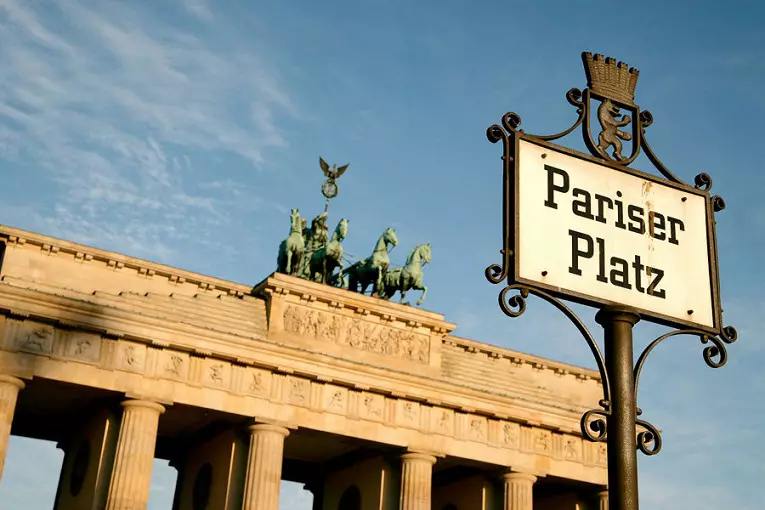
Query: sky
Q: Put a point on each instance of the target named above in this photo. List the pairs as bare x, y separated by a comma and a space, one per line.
183, 132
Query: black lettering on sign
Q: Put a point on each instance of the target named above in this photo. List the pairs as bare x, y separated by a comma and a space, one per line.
619, 212
673, 223
577, 253
652, 286
552, 187
656, 225
638, 267
601, 200
619, 273
582, 207
636, 224
601, 276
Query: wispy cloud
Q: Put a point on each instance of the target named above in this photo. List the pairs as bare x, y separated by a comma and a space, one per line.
114, 106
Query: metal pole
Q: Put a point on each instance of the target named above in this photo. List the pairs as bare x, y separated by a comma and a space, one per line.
617, 325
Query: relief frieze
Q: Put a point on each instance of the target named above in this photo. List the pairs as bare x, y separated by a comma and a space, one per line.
372, 406
442, 421
35, 338
298, 391
407, 413
335, 399
82, 346
379, 339
356, 333
257, 382
312, 324
130, 356
216, 374
511, 435
572, 448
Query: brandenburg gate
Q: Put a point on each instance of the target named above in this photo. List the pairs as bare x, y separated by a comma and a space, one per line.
371, 404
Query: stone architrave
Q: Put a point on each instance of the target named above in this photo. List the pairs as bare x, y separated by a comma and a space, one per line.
9, 392
416, 478
264, 467
131, 476
519, 491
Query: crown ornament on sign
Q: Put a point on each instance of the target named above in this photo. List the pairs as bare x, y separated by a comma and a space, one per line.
609, 78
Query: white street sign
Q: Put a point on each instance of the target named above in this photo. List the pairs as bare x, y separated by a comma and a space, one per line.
599, 234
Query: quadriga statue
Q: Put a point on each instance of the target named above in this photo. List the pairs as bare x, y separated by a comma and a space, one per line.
291, 249
372, 269
327, 258
403, 279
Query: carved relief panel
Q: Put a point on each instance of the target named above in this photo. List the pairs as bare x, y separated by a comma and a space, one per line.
442, 421
297, 391
304, 322
216, 374
81, 346
372, 406
357, 333
510, 435
172, 365
257, 382
407, 413
31, 337
130, 356
335, 399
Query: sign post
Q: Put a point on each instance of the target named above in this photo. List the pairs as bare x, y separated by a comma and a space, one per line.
589, 228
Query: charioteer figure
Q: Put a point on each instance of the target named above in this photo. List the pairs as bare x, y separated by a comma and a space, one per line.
316, 238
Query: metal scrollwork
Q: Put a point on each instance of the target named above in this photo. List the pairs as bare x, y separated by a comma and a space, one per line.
513, 306
715, 356
648, 440
594, 423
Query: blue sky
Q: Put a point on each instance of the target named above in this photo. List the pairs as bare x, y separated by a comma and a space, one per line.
183, 132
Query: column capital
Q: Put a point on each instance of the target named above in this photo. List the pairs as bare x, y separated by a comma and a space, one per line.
15, 381
148, 404
268, 427
511, 476
603, 503
418, 456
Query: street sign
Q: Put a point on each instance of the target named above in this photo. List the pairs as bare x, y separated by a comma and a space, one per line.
588, 228
604, 234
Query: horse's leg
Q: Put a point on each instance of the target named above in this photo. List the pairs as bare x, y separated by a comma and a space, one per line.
424, 290
288, 267
379, 287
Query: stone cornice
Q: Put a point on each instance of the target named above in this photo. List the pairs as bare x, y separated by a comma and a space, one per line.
520, 357
140, 267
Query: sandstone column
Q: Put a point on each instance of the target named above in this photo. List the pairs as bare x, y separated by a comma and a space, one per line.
131, 475
603, 499
518, 491
264, 467
416, 476
9, 391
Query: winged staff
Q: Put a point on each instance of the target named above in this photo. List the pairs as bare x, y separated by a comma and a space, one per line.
329, 188
312, 253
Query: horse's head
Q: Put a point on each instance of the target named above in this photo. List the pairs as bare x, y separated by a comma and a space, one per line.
295, 219
424, 251
389, 236
342, 228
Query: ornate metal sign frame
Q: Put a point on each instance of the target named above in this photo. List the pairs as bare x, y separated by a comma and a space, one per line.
617, 421
511, 258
